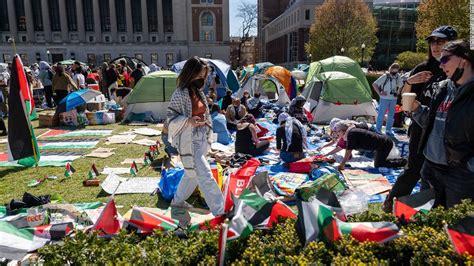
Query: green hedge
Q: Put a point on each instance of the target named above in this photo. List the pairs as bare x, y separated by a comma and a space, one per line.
424, 243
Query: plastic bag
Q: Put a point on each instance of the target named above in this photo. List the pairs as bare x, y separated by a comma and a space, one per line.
169, 182
354, 201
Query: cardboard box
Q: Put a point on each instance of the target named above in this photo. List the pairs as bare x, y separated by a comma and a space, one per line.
100, 118
95, 106
47, 120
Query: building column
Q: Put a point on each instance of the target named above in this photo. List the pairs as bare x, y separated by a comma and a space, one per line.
63, 19
97, 25
30, 31
145, 21
128, 17
161, 29
12, 20
80, 21
46, 21
113, 21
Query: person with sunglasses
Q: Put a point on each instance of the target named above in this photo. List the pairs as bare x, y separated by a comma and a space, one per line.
447, 140
421, 81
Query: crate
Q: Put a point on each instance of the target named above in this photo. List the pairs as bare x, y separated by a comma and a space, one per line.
47, 119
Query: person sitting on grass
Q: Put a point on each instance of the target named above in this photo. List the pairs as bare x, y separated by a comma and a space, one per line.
246, 139
234, 113
363, 139
219, 125
290, 138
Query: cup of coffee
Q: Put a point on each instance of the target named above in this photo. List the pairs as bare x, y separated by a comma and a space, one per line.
408, 98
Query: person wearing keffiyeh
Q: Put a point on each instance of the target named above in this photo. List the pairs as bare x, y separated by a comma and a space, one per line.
296, 109
190, 131
291, 138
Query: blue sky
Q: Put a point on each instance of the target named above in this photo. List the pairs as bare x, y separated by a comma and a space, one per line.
234, 21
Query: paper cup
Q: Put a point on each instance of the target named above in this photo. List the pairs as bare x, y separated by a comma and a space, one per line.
408, 98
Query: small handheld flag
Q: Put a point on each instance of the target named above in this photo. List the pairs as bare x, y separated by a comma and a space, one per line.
133, 169
93, 173
69, 170
147, 159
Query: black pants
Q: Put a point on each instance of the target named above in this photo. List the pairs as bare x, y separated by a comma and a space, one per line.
3, 128
381, 154
60, 94
4, 105
48, 94
408, 179
451, 184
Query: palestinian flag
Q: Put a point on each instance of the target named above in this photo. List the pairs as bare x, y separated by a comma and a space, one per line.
210, 224
15, 243
144, 222
239, 181
461, 235
316, 221
329, 199
93, 173
379, 232
133, 169
22, 145
405, 207
108, 222
254, 212
146, 159
69, 170
222, 244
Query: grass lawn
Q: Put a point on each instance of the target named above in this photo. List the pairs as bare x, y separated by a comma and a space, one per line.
13, 181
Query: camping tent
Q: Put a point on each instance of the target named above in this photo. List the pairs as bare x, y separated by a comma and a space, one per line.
227, 77
337, 94
131, 62
284, 76
268, 87
152, 93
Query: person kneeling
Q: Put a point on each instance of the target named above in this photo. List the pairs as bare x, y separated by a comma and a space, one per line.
246, 138
291, 138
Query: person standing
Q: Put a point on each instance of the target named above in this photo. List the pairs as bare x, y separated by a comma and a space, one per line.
446, 140
388, 87
111, 77
62, 84
421, 81
190, 131
137, 74
46, 77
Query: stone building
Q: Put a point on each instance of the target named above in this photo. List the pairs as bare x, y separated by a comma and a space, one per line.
158, 31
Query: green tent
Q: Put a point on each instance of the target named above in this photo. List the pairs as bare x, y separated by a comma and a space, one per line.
342, 88
341, 64
154, 87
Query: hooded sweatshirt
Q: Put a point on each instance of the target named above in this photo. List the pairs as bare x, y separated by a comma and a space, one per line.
43, 75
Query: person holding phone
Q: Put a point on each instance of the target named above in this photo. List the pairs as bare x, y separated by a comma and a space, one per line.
190, 131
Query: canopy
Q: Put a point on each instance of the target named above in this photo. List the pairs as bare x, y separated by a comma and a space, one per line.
75, 99
154, 87
131, 62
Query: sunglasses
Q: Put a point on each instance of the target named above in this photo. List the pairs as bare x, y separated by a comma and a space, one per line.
445, 59
437, 41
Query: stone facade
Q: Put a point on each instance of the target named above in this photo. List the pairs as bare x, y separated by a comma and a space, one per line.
157, 31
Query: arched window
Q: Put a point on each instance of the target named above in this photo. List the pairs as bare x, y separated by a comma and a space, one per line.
207, 19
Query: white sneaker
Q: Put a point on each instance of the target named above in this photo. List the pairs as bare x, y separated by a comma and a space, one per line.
181, 205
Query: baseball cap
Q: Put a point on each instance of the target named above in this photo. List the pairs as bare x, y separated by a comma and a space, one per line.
444, 32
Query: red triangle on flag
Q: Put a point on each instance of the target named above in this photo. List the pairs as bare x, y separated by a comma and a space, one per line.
108, 223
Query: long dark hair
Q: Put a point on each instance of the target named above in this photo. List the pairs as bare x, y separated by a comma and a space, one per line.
191, 69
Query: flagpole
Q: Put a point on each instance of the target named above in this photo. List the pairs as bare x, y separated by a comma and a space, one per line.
222, 243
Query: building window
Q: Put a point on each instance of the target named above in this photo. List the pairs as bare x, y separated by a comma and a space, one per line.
152, 14
168, 39
306, 14
20, 15
208, 55
154, 58
37, 15
207, 19
24, 59
107, 39
4, 25
71, 15
137, 16
154, 39
23, 38
123, 55
7, 58
91, 39
54, 15
207, 35
167, 6
88, 10
91, 59
123, 38
207, 1
107, 57
169, 59
139, 56
138, 39
121, 16
104, 15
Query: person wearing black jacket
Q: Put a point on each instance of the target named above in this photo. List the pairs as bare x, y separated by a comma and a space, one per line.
421, 82
447, 140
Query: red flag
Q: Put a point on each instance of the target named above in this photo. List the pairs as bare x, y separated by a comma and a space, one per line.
238, 181
461, 235
108, 223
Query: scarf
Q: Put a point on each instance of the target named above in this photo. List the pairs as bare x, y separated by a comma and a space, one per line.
289, 131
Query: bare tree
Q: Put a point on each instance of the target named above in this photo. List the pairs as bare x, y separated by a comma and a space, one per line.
248, 14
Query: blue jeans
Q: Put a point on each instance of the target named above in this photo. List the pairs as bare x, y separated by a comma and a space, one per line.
289, 157
385, 104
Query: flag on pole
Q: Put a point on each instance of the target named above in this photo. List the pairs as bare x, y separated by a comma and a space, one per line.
407, 206
461, 235
133, 169
222, 244
108, 222
69, 170
146, 159
144, 221
93, 173
379, 232
329, 198
239, 181
316, 221
22, 145
209, 224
